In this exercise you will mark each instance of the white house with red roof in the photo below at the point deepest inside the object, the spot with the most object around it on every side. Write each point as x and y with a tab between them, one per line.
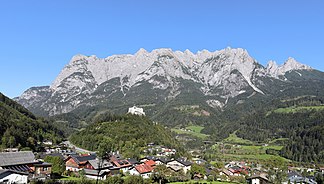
144	170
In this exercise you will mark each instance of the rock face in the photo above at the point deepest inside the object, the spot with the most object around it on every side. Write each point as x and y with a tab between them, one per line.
165	74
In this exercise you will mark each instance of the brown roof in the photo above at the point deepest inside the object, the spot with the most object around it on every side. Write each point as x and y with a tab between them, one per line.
227	172
121	163
143	168
263	176
150	163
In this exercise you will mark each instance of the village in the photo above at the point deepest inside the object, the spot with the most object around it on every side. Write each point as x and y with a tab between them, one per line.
25	166
66	160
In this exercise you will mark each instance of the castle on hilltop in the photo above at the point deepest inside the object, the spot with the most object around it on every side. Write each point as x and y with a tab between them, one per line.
136	111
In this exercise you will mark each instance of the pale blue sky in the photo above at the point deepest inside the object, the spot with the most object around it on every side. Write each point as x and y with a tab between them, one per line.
38	38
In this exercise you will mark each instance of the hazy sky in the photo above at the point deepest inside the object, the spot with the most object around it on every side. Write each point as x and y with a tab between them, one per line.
38	38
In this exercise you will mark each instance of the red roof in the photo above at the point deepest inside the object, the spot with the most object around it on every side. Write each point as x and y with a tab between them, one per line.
143	168
150	163
121	163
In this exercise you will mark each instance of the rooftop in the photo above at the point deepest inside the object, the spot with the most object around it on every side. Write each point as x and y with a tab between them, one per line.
16	158
143	168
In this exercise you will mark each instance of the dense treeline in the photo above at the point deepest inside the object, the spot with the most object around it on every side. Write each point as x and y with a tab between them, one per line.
304	128
125	133
20	128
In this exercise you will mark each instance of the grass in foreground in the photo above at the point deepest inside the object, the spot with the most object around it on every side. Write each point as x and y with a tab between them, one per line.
69	178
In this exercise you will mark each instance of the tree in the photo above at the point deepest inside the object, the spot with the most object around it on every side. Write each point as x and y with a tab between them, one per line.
114	180
160	174
105	147
319	178
134	179
197	169
58	165
82	174
218	165
277	176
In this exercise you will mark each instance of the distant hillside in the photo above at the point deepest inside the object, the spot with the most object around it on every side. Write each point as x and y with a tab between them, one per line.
20	128
300	120
127	134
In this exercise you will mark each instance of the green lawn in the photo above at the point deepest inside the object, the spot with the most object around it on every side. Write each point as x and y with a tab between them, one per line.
233	139
261	148
195	131
259	157
69	178
235	148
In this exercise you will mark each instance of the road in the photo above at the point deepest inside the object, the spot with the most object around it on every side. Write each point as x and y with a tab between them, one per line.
77	149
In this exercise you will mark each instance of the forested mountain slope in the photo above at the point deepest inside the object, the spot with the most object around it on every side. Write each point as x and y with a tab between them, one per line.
300	120
127	133
20	128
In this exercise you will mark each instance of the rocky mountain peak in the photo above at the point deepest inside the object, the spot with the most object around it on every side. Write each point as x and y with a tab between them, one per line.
226	74
141	51
290	64
78	57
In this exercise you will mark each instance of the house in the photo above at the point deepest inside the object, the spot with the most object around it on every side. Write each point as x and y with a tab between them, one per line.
24	161
199	161
78	162
226	173
180	163
295	177
42	169
321	169
162	161
186	164
143	170
136	111
123	165
96	164
17	161
235	170
94	174
48	142
11	176
151	163
258	179
198	176
133	161
149	158
20	163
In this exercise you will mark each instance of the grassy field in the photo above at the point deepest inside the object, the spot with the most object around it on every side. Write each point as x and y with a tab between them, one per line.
233	139
275	141
235	148
297	109
202	181
194	131
253	157
69	178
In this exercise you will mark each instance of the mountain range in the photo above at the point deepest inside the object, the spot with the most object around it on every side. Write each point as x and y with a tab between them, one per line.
171	84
